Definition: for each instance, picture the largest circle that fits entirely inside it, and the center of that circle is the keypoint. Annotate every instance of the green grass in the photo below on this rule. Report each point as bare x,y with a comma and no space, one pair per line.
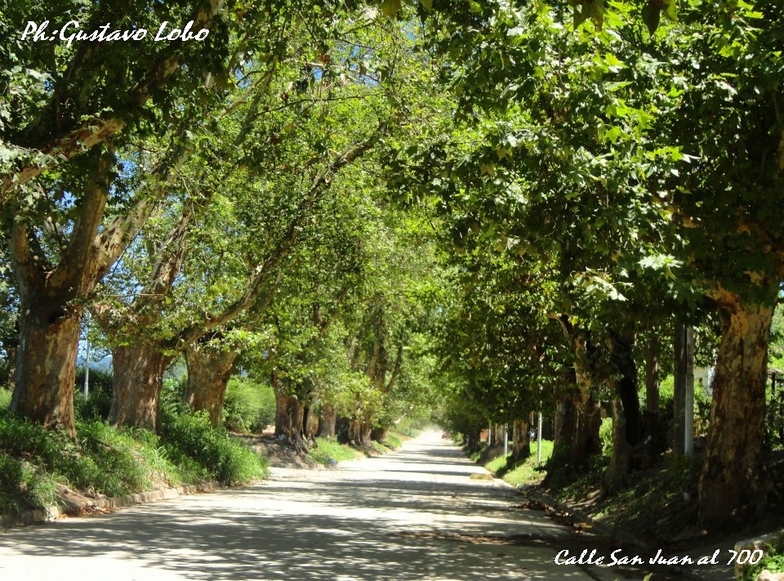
772,562
327,452
526,472
393,441
112,462
5,398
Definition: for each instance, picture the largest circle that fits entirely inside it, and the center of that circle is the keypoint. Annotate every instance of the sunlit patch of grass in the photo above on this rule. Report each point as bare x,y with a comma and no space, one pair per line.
526,472
329,452
5,398
393,441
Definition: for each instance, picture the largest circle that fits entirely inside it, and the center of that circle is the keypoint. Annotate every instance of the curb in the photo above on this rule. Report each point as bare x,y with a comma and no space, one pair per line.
67,508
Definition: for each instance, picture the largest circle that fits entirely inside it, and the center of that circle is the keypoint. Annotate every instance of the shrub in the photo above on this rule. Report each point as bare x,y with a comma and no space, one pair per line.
222,458
22,487
249,406
99,400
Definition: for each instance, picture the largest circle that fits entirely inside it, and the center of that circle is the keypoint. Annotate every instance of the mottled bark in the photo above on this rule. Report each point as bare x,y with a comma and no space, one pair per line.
521,437
311,423
138,380
46,364
289,412
327,421
731,482
209,371
577,423
359,432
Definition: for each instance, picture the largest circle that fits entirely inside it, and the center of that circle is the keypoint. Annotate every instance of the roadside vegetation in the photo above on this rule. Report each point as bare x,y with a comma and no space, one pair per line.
103,461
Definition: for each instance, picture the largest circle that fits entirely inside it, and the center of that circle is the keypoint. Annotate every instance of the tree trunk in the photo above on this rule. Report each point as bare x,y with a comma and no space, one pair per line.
521,448
379,434
472,439
138,380
731,480
626,426
289,417
208,375
46,364
342,429
327,420
651,415
311,423
577,422
359,432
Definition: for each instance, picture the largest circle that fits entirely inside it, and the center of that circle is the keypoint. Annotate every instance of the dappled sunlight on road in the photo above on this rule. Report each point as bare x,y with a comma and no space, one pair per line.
415,514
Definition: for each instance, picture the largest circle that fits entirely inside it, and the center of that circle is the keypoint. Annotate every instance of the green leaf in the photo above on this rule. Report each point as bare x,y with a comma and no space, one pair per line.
390,7
651,15
670,11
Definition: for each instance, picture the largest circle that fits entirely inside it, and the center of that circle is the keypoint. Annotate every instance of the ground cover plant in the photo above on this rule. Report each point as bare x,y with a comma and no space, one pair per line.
104,461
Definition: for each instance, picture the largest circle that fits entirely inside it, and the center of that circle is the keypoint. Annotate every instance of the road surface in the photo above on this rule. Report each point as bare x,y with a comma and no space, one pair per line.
415,514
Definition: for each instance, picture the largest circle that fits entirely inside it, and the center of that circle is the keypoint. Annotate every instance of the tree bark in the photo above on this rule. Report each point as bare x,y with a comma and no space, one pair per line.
577,417
327,420
359,432
138,380
521,448
289,412
311,422
209,371
379,434
731,482
46,363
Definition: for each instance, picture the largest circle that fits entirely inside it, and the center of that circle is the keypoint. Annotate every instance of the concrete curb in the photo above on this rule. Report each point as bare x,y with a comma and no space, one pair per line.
54,512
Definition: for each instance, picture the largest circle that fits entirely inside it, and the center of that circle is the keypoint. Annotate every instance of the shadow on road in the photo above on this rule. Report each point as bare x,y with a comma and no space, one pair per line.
411,515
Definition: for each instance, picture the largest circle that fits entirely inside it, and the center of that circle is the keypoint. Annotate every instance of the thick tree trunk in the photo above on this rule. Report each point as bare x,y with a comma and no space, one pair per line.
289,418
521,448
379,434
626,427
209,371
311,423
472,439
342,429
46,364
138,380
327,420
577,430
731,482
359,432
577,422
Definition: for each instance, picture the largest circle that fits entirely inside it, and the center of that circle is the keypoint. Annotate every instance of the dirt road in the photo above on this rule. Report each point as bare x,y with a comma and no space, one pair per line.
415,514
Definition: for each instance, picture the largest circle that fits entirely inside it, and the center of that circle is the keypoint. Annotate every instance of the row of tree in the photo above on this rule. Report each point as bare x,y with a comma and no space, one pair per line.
217,200
614,168
314,187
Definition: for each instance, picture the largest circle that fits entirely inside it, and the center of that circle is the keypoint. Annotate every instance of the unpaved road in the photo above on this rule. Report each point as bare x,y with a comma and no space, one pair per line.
415,514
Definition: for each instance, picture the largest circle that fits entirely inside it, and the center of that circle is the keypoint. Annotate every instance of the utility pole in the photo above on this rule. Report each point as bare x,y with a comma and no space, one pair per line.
683,437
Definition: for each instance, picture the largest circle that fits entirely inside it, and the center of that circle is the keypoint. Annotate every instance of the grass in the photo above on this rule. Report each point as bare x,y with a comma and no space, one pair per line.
112,462
525,472
328,452
393,441
5,398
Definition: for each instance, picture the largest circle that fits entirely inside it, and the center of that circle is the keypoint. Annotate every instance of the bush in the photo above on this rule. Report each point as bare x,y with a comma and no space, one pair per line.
99,400
222,458
249,406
